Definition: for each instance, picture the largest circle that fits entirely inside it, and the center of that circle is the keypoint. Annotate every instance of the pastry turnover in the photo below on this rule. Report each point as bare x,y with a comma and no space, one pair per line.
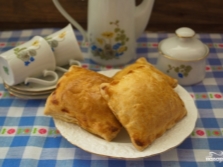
77,100
144,103
149,68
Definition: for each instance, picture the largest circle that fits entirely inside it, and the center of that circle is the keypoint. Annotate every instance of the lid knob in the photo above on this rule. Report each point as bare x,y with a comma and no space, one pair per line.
185,32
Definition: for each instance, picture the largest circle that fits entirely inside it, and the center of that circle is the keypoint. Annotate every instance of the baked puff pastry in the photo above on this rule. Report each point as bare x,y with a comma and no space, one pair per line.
77,100
149,68
146,105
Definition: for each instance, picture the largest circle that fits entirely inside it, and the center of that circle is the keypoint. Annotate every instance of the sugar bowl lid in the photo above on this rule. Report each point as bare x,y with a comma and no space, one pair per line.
183,46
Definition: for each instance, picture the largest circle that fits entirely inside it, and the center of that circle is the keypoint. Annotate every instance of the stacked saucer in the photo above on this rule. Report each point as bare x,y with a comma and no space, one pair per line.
32,90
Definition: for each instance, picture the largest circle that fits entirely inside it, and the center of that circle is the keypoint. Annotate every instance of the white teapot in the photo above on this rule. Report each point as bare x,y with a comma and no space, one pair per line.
113,27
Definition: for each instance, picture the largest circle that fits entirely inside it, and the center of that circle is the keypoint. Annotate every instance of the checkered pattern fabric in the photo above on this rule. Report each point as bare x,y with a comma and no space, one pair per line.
28,138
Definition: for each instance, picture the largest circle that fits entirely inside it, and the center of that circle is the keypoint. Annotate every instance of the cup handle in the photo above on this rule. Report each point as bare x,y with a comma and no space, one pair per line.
44,82
74,62
71,62
61,69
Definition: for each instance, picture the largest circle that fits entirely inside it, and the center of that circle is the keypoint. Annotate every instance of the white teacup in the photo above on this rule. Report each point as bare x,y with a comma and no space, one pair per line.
65,47
27,62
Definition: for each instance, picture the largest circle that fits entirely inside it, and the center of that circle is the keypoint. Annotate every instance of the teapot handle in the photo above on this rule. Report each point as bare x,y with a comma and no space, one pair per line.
70,19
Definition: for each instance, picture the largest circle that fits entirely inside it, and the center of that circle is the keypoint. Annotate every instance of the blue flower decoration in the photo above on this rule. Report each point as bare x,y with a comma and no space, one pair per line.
31,59
117,46
93,47
26,63
180,75
118,54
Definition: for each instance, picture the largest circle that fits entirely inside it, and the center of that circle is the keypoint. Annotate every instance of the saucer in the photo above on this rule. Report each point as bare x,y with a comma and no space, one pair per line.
22,92
21,96
35,87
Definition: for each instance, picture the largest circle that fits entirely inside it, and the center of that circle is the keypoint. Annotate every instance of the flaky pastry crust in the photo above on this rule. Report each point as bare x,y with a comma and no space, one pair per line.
146,105
149,68
77,100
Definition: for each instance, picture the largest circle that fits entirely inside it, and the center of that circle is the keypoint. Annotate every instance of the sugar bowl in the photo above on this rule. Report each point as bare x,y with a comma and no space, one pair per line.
183,57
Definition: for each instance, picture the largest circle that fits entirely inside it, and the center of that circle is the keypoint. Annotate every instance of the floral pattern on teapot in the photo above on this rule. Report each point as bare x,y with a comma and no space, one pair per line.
27,54
182,70
111,44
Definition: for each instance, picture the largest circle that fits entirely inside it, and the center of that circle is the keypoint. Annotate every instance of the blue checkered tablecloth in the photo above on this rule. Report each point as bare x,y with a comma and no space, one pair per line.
30,139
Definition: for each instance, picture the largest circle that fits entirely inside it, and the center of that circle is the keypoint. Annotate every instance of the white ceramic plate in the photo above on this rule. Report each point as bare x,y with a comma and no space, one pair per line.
121,146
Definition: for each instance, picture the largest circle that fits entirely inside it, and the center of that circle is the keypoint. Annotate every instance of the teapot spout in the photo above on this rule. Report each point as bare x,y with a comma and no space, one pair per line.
142,15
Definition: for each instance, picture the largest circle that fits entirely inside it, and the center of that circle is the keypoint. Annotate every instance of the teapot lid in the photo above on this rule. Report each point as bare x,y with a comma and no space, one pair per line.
183,46
185,32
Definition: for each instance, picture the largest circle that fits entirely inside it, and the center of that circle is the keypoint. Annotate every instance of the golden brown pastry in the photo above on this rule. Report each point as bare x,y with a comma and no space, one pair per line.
150,69
146,105
77,100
